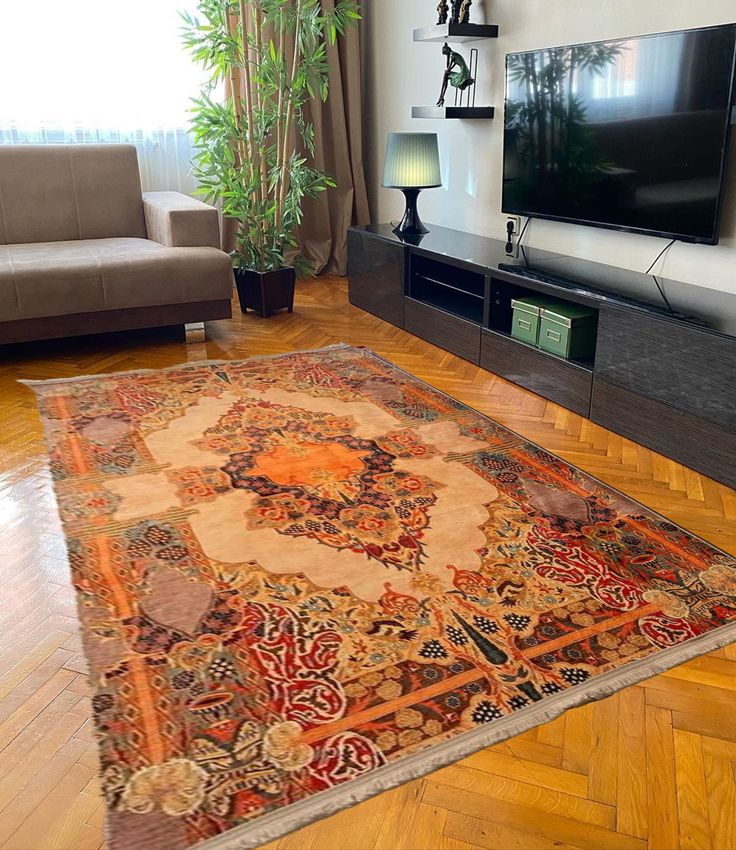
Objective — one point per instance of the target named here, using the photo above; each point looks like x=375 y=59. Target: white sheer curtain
x=89 y=71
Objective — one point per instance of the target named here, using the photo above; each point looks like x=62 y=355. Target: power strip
x=513 y=223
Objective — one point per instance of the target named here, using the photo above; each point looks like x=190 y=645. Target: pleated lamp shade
x=412 y=161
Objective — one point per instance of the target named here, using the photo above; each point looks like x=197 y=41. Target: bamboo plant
x=255 y=145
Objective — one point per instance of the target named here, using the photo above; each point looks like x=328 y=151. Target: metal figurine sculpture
x=459 y=79
x=443 y=10
x=456 y=4
x=464 y=14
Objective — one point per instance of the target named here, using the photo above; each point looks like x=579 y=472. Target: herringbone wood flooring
x=653 y=766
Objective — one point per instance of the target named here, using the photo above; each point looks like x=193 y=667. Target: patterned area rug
x=306 y=579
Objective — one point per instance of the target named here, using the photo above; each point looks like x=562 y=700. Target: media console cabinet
x=662 y=380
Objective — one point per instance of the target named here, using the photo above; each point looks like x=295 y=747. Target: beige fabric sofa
x=82 y=250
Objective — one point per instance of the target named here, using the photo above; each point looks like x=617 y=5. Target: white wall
x=400 y=74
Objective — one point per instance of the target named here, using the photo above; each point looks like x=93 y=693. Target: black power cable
x=662 y=293
x=523 y=230
x=660 y=255
x=521 y=239
x=659 y=285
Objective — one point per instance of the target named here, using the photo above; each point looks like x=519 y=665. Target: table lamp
x=412 y=164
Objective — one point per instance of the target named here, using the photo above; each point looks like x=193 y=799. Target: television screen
x=629 y=134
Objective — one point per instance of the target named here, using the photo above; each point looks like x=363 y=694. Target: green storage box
x=568 y=330
x=527 y=313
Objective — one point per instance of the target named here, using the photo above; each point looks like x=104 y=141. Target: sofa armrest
x=178 y=221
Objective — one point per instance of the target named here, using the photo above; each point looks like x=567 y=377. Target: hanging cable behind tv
x=660 y=287
x=521 y=239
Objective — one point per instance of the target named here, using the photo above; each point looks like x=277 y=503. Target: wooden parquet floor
x=652 y=766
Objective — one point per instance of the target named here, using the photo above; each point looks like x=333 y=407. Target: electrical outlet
x=513 y=223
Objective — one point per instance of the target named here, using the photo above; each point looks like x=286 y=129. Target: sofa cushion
x=53 y=193
x=88 y=275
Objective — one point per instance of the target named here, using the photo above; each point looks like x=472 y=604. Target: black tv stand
x=662 y=379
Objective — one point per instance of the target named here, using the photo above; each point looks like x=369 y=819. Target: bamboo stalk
x=280 y=106
x=254 y=168
x=258 y=105
x=280 y=133
x=289 y=113
x=241 y=154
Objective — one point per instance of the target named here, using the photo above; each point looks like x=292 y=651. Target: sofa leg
x=194 y=332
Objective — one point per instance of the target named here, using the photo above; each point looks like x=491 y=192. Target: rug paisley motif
x=308 y=578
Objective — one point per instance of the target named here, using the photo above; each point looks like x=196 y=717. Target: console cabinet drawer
x=677 y=364
x=558 y=380
x=691 y=440
x=449 y=332
x=376 y=276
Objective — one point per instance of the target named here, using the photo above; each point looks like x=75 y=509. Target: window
x=85 y=71
x=620 y=78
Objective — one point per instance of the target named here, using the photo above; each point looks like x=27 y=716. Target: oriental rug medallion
x=308 y=578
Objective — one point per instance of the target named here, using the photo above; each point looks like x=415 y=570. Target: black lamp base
x=411 y=224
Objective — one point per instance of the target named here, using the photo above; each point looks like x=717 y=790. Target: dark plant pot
x=266 y=292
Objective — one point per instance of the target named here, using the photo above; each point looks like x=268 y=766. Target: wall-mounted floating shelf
x=452 y=112
x=456 y=32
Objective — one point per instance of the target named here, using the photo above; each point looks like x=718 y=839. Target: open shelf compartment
x=454 y=290
x=500 y=315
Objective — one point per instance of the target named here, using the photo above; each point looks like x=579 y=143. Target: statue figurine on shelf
x=443 y=10
x=460 y=79
x=464 y=14
x=456 y=4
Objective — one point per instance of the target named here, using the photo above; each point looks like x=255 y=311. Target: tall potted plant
x=254 y=146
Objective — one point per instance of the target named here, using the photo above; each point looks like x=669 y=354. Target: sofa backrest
x=55 y=193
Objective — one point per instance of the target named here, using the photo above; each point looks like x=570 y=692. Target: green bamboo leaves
x=254 y=146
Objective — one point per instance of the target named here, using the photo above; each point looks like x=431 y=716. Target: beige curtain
x=338 y=125
x=339 y=133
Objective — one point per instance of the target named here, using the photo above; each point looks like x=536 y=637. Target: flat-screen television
x=630 y=134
